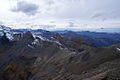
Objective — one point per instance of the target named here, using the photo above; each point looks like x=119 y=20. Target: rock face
x=37 y=58
x=4 y=40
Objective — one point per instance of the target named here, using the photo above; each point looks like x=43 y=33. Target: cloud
x=43 y=26
x=89 y=13
x=26 y=8
x=71 y=24
x=1 y=22
x=50 y=2
x=98 y=14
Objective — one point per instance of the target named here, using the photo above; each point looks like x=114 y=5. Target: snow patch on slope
x=42 y=38
x=30 y=46
x=58 y=42
x=118 y=49
x=35 y=42
x=9 y=36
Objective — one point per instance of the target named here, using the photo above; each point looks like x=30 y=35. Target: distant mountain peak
x=7 y=31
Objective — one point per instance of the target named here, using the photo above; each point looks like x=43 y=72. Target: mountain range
x=66 y=55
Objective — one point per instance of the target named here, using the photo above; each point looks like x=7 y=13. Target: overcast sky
x=60 y=14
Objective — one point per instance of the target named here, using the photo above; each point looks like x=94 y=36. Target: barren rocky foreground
x=31 y=57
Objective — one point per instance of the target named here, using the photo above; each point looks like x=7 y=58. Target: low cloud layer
x=71 y=24
x=26 y=8
x=1 y=22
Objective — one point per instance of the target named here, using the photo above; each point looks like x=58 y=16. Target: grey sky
x=82 y=13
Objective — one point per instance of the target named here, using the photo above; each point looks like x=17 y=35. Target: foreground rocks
x=37 y=58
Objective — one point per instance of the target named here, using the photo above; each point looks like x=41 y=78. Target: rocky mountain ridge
x=33 y=57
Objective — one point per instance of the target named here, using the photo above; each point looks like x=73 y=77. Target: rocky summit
x=34 y=57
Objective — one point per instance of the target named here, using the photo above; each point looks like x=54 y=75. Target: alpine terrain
x=30 y=55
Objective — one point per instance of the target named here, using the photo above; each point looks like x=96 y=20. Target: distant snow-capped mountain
x=7 y=31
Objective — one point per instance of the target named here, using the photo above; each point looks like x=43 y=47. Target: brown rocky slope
x=37 y=58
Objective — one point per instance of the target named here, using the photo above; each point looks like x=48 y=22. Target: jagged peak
x=28 y=34
x=57 y=35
